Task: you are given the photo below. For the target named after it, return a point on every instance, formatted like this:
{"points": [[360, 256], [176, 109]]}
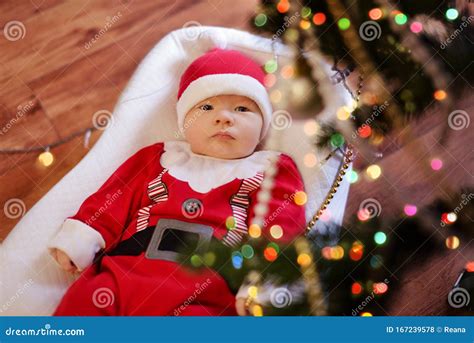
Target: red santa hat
{"points": [[220, 72]]}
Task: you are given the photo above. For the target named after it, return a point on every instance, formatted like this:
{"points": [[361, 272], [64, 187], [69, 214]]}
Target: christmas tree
{"points": [[407, 57]]}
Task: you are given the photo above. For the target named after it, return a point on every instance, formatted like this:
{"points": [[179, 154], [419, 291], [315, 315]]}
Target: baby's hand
{"points": [[240, 307], [64, 261]]}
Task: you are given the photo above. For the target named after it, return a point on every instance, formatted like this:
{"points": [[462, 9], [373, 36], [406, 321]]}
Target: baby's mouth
{"points": [[223, 135]]}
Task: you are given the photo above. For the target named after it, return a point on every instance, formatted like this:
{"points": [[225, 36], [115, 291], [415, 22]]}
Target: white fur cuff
{"points": [[79, 241]]}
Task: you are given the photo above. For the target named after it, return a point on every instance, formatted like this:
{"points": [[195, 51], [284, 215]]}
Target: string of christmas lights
{"points": [[46, 157]]}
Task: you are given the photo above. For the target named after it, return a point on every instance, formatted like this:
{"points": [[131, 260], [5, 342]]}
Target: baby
{"points": [[212, 178]]}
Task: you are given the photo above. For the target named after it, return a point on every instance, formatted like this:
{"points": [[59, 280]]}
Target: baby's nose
{"points": [[224, 117]]}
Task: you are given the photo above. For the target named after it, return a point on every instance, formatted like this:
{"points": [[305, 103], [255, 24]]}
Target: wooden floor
{"points": [[52, 82], [62, 83]]}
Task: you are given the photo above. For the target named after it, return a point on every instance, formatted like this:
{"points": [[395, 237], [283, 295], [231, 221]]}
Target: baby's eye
{"points": [[242, 109], [206, 107]]}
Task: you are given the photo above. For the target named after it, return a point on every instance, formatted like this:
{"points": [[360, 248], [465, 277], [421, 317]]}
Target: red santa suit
{"points": [[159, 181]]}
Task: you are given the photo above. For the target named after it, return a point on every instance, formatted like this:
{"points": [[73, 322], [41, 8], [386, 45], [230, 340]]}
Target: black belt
{"points": [[165, 241]]}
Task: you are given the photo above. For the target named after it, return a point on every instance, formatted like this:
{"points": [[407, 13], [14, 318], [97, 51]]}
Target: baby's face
{"points": [[224, 126]]}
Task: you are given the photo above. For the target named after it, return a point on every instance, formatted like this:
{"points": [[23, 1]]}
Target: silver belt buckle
{"points": [[168, 238]]}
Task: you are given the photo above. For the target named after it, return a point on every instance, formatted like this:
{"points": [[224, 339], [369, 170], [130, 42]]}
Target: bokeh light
{"points": [[287, 71], [364, 131], [283, 6], [416, 27], [247, 251], [401, 19], [452, 242], [380, 237], [344, 23], [270, 254], [260, 20], [452, 13], [357, 251], [356, 288], [451, 217], [374, 171], [304, 260], [230, 223], [46, 158], [337, 140], [410, 210], [380, 287], [269, 80], [237, 259], [343, 113], [375, 13], [310, 160], [300, 198], [439, 95], [276, 231], [352, 176], [319, 18], [305, 24], [376, 261], [436, 164], [271, 66], [310, 127], [255, 231]]}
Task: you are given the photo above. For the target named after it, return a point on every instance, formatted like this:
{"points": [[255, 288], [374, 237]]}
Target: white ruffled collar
{"points": [[204, 173]]}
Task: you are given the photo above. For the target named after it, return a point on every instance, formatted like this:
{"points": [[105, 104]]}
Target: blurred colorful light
{"points": [[410, 210], [416, 27], [380, 237], [452, 13], [452, 242], [375, 13], [344, 23], [319, 18], [436, 164], [401, 19]]}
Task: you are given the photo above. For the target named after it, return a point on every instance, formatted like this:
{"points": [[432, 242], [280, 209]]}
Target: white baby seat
{"points": [[31, 282]]}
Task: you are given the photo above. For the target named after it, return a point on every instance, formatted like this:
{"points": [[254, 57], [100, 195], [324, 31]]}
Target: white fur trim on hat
{"points": [[225, 84]]}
